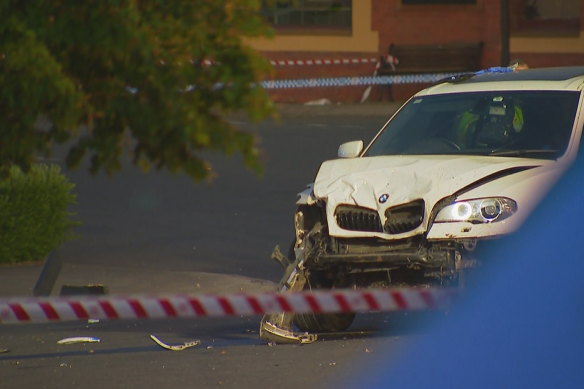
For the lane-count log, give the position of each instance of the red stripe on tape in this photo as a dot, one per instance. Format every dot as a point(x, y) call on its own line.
point(226, 305)
point(255, 305)
point(314, 305)
point(371, 301)
point(78, 310)
point(108, 309)
point(19, 312)
point(168, 308)
point(286, 307)
point(138, 309)
point(343, 303)
point(49, 311)
point(198, 307)
point(399, 299)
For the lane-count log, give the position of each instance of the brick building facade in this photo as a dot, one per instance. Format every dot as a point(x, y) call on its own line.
point(539, 33)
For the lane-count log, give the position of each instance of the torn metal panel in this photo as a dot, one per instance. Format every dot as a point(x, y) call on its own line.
point(175, 347)
point(306, 196)
point(79, 339)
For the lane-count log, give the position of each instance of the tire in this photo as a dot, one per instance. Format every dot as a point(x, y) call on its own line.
point(331, 322)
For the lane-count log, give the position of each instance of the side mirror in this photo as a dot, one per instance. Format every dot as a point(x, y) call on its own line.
point(350, 149)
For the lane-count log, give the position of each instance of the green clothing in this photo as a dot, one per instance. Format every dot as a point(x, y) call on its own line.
point(466, 126)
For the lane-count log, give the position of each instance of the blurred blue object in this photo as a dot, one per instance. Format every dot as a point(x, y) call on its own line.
point(523, 326)
point(495, 69)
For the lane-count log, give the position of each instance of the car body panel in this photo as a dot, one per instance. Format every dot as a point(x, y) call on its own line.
point(527, 188)
point(362, 181)
point(403, 178)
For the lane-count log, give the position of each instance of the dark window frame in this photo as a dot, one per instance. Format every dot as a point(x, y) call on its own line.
point(310, 16)
point(439, 2)
point(525, 22)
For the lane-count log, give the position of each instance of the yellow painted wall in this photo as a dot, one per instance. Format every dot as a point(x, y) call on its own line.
point(538, 45)
point(362, 39)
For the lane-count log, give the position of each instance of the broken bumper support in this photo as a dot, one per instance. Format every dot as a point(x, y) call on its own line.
point(277, 327)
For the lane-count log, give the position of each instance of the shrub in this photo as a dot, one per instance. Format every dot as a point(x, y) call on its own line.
point(34, 213)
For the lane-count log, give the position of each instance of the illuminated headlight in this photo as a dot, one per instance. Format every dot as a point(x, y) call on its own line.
point(478, 211)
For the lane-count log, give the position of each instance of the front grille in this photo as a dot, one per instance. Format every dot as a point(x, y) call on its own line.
point(405, 217)
point(358, 219)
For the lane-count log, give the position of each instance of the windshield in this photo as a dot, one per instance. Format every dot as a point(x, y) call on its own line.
point(529, 124)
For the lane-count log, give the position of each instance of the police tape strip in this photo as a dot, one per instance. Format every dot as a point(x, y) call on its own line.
point(314, 62)
point(357, 81)
point(14, 310)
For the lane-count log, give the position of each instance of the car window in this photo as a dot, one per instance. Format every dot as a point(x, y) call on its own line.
point(531, 124)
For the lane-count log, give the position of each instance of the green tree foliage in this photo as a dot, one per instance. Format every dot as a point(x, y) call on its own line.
point(34, 210)
point(117, 76)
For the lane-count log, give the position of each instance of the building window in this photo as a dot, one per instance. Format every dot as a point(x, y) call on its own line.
point(539, 17)
point(312, 14)
point(437, 2)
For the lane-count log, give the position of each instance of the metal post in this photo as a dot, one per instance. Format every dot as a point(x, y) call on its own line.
point(48, 276)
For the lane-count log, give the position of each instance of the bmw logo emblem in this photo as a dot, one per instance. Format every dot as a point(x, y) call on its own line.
point(383, 198)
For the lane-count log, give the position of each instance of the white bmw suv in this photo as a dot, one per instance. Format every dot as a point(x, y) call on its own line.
point(460, 163)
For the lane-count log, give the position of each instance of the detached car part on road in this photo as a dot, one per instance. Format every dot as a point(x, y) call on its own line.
point(460, 163)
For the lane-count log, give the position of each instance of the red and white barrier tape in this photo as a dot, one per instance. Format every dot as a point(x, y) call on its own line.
point(187, 306)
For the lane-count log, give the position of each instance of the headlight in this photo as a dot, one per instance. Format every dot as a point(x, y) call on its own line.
point(486, 210)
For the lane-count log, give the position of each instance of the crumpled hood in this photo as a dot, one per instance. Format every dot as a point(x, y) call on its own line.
point(361, 181)
point(401, 179)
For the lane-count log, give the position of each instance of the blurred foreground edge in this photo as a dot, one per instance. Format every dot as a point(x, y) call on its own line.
point(523, 325)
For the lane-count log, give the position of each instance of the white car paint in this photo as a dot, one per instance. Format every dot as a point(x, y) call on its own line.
point(362, 180)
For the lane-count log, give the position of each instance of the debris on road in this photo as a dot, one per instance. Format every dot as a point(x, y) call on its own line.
point(83, 290)
point(319, 102)
point(178, 347)
point(79, 339)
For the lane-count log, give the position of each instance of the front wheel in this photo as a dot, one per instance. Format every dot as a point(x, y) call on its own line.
point(320, 322)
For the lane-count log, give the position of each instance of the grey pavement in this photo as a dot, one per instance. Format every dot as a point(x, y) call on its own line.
point(377, 108)
point(20, 280)
point(330, 109)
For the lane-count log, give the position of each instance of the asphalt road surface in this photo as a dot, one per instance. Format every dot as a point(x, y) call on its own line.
point(135, 223)
point(230, 225)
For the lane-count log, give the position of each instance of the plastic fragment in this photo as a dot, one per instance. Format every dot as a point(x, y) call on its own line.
point(178, 347)
point(79, 339)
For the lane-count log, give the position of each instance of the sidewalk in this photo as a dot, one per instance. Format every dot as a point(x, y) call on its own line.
point(19, 280)
point(294, 110)
point(382, 108)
